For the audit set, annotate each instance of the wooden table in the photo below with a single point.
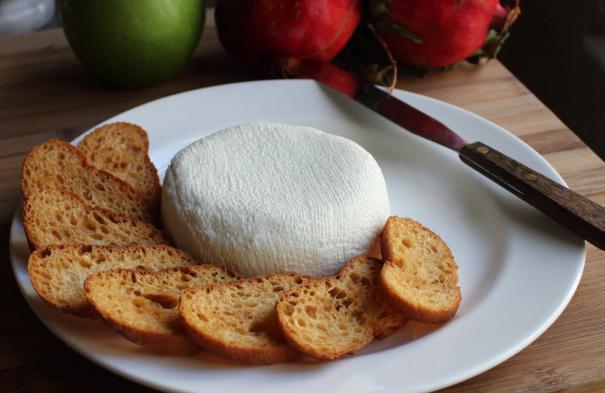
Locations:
(45, 93)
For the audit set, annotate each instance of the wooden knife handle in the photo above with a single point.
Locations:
(577, 213)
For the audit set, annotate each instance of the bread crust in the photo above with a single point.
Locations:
(354, 286)
(252, 356)
(96, 187)
(175, 344)
(175, 341)
(127, 146)
(57, 272)
(393, 260)
(38, 207)
(310, 349)
(170, 343)
(268, 353)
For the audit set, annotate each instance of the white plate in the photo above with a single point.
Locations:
(518, 270)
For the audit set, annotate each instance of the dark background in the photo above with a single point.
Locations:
(557, 49)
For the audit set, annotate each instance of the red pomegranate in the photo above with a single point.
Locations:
(262, 31)
(438, 33)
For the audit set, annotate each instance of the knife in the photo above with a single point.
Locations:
(575, 212)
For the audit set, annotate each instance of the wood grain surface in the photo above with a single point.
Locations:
(45, 93)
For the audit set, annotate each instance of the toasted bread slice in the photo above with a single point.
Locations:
(237, 320)
(57, 165)
(335, 316)
(419, 277)
(51, 217)
(122, 150)
(366, 271)
(143, 306)
(57, 273)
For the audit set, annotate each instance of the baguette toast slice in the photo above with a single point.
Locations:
(51, 217)
(57, 165)
(143, 306)
(237, 320)
(121, 149)
(419, 277)
(334, 316)
(57, 273)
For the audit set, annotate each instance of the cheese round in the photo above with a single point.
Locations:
(266, 198)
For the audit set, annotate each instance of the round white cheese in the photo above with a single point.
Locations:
(265, 198)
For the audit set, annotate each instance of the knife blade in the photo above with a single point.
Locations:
(575, 212)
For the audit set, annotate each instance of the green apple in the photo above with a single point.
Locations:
(133, 42)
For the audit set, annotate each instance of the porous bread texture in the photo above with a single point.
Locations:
(58, 165)
(57, 273)
(121, 149)
(419, 277)
(266, 198)
(335, 316)
(361, 276)
(237, 320)
(142, 306)
(53, 217)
